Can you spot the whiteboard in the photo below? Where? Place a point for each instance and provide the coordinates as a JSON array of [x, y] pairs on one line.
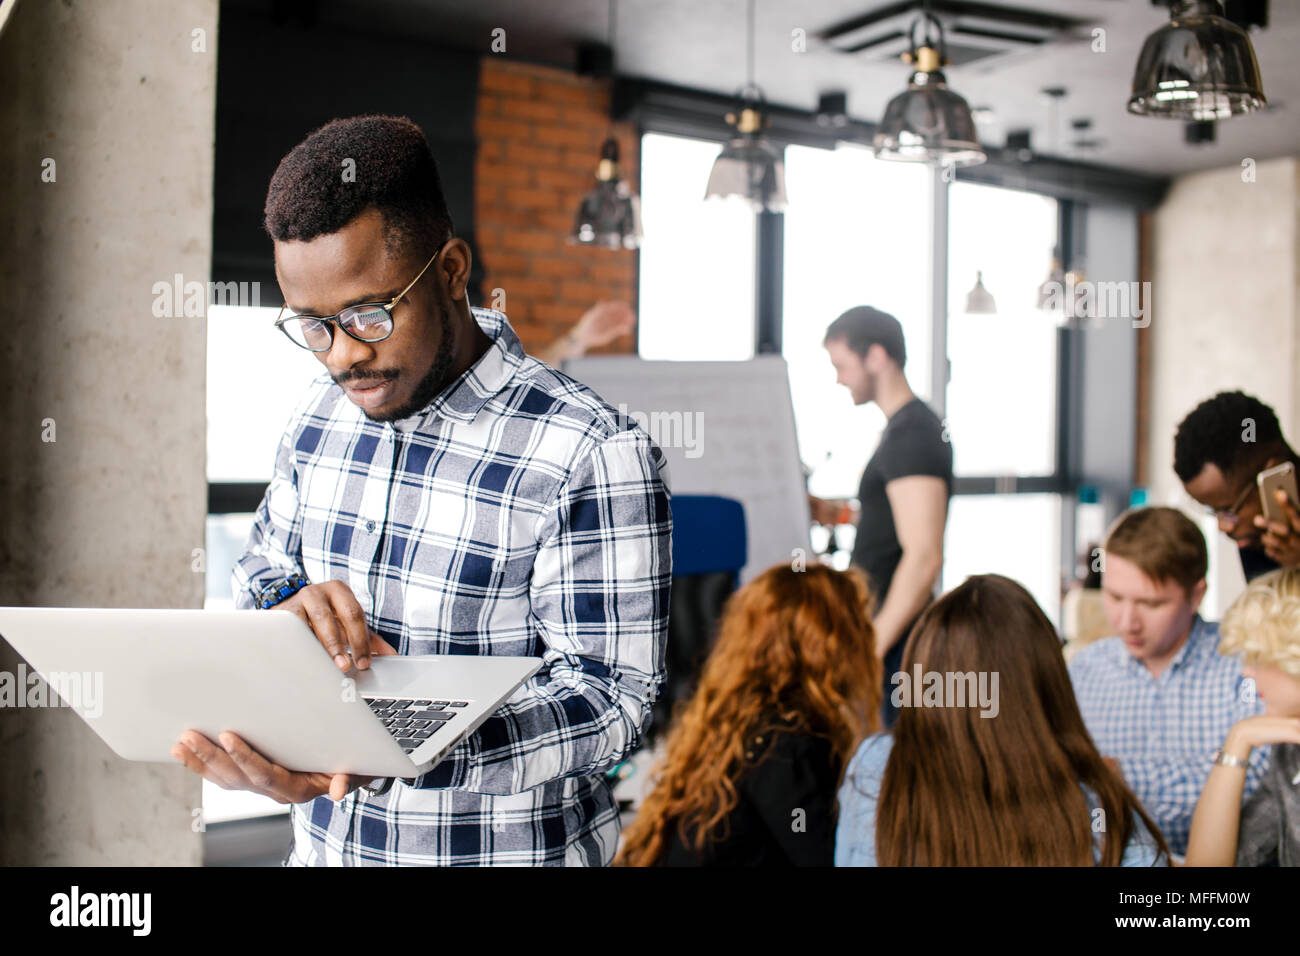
[[726, 428]]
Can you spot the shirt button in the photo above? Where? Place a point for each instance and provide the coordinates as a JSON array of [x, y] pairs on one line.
[[370, 526]]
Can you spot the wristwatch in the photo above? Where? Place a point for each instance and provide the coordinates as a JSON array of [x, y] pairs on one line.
[[1225, 759], [380, 790]]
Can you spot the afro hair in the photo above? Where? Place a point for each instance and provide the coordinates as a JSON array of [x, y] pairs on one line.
[[1220, 431], [351, 165]]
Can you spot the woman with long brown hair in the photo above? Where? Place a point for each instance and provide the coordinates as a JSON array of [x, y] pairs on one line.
[[989, 763], [754, 757]]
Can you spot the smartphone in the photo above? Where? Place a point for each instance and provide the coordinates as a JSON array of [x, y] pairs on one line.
[[1270, 480]]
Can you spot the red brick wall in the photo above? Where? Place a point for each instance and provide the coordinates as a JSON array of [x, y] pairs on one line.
[[539, 134]]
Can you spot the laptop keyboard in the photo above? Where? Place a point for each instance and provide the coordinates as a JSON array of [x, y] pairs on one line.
[[413, 720]]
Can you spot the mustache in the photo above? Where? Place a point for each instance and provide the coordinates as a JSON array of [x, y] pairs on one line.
[[363, 375]]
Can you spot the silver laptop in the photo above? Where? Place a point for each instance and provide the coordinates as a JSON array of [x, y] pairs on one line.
[[140, 678]]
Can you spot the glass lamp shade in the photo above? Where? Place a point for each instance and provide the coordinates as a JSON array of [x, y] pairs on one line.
[[608, 216], [749, 168], [979, 301], [1198, 66], [928, 123]]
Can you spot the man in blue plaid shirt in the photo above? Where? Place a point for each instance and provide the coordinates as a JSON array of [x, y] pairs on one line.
[[443, 493], [1158, 698]]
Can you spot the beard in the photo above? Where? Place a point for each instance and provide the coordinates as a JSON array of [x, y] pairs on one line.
[[434, 382], [868, 393]]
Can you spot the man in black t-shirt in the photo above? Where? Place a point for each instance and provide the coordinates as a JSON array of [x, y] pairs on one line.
[[905, 488]]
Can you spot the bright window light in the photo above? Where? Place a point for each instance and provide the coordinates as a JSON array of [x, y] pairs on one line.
[[1002, 395], [856, 233], [697, 258], [1017, 536], [256, 377]]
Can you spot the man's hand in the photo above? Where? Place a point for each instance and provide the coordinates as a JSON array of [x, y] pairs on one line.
[[602, 324], [332, 612], [236, 766], [832, 511], [1281, 539]]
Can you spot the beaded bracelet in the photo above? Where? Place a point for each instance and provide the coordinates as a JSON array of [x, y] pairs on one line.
[[277, 591]]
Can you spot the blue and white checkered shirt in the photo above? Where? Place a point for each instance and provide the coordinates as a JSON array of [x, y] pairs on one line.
[[1164, 731], [519, 515]]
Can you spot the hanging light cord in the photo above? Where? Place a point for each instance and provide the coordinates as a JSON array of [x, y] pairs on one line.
[[749, 69], [613, 69], [613, 32]]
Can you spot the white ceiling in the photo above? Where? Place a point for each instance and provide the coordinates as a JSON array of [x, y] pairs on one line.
[[701, 43]]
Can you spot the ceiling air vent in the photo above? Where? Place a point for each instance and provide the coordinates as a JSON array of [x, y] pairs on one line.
[[976, 32]]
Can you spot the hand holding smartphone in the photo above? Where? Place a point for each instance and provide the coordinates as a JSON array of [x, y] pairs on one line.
[[1271, 480]]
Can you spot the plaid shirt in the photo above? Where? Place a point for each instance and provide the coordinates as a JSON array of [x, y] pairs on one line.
[[1164, 731], [518, 514]]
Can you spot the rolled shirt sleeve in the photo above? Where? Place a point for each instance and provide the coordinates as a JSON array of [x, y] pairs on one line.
[[274, 547]]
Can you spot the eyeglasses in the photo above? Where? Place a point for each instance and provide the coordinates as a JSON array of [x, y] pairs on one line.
[[1231, 514], [366, 322]]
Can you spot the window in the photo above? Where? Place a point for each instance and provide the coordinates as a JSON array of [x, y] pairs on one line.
[[1017, 536], [856, 233], [1002, 396], [255, 379], [697, 260]]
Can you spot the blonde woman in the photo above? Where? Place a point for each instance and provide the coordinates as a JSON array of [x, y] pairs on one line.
[[1263, 628]]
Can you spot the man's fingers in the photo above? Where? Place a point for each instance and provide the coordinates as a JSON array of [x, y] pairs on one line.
[[198, 754], [260, 772], [1289, 511], [355, 629], [187, 756], [320, 615], [380, 647], [341, 784], [236, 766], [277, 783], [212, 763]]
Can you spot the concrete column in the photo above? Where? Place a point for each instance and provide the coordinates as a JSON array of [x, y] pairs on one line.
[[106, 190], [1225, 315]]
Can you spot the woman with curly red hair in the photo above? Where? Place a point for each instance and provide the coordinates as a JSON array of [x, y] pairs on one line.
[[754, 758]]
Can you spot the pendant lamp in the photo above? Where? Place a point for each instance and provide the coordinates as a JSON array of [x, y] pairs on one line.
[[1198, 66], [927, 122]]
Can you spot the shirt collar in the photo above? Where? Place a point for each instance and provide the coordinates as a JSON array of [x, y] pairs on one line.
[[464, 398], [1202, 635]]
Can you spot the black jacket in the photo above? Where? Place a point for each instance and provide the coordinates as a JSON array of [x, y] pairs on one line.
[[785, 815]]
